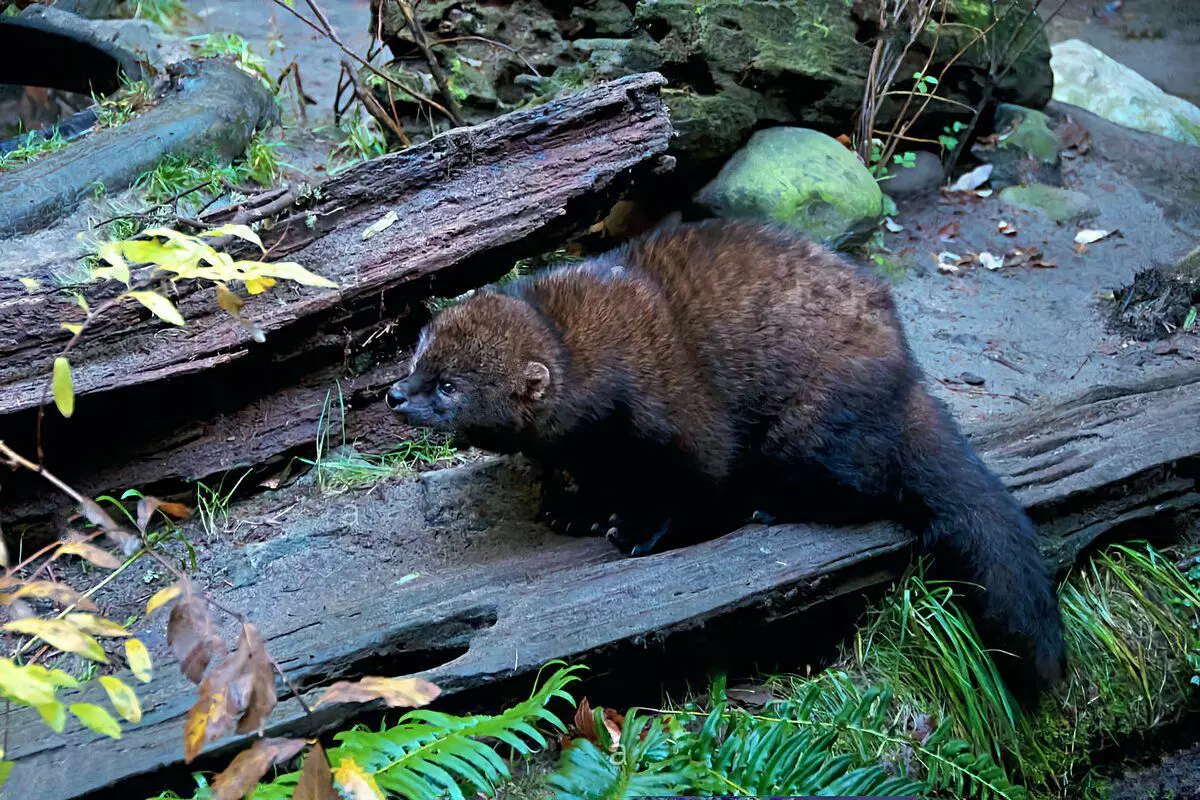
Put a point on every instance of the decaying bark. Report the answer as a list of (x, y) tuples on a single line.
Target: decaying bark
[(466, 205), (1115, 462)]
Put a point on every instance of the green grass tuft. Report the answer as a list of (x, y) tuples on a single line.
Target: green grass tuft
[(34, 146)]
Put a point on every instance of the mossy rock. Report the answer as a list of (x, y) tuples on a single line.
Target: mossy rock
[(1027, 150), (1059, 205), (800, 177)]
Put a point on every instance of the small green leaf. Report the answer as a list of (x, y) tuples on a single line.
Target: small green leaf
[(63, 386), (5, 768), (160, 306), (1190, 320), (123, 699), (97, 719), (55, 715), (73, 327)]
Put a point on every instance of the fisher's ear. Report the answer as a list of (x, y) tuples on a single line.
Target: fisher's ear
[(537, 380)]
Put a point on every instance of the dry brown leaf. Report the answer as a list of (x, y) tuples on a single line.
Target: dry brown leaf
[(90, 553), (395, 692), (316, 779), (59, 593), (949, 231), (248, 767), (174, 510), (209, 719), (259, 700), (98, 516), (145, 508), (1006, 228), (193, 637), (585, 723)]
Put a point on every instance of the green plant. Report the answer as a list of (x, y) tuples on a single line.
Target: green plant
[(235, 48), (34, 146), (124, 104), (167, 14), (948, 138), (209, 177), (212, 504), (360, 140)]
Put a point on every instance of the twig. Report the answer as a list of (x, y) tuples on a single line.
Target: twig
[(981, 392), (372, 105), (331, 34), (492, 42), (168, 203), (439, 77)]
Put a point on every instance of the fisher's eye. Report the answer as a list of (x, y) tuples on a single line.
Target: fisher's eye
[(446, 388)]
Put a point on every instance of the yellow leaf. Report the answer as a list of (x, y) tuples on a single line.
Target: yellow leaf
[(240, 231), (54, 715), (123, 699), (97, 719), (354, 783), (61, 634), (73, 327), (162, 597), (31, 684), (118, 269), (60, 593), (382, 224), (30, 284), (259, 285), (63, 386), (5, 768), (147, 251), (284, 271), (90, 553), (97, 626), (139, 659), (229, 301), (160, 306)]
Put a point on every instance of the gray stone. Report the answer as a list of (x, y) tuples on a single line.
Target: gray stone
[(924, 177), (1060, 205), (1026, 150), (1086, 77), (800, 177)]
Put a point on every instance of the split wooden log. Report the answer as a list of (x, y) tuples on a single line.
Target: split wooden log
[(465, 204), (1113, 463)]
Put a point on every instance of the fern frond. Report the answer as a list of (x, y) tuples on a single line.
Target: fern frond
[(430, 755)]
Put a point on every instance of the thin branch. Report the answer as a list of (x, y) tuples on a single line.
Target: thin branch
[(373, 108), (435, 68), (331, 34), (492, 42)]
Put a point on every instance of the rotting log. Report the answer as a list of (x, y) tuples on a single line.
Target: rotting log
[(1113, 463), (467, 203)]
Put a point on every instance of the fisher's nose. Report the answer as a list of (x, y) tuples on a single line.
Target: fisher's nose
[(397, 398)]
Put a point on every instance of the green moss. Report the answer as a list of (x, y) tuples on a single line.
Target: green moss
[(1030, 132)]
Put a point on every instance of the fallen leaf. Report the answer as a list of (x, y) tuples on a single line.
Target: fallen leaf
[(990, 261), (892, 225), (846, 141), (1006, 229), (750, 696), (600, 726), (354, 783), (30, 284), (59, 593), (249, 766), (63, 387), (1088, 236), (61, 634), (123, 699), (983, 192), (145, 508), (97, 719), (1190, 320), (1041, 263), (174, 510), (90, 553), (139, 660), (395, 692), (193, 637), (948, 231), (380, 225), (971, 180), (316, 779), (950, 262), (97, 626), (162, 597)]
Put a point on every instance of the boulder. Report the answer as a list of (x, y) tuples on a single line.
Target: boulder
[(922, 178), (1086, 77), (733, 66), (1060, 205), (1025, 149), (800, 177)]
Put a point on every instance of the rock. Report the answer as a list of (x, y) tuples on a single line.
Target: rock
[(1189, 266), (924, 177), (800, 177), (1026, 150), (1060, 205), (1086, 77), (971, 379), (733, 65)]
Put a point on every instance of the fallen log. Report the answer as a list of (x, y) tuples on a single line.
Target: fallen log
[(1112, 463), (466, 204)]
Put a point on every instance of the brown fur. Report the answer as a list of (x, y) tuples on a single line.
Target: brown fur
[(707, 370)]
